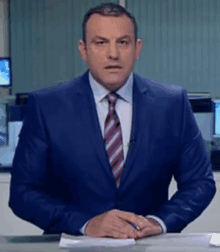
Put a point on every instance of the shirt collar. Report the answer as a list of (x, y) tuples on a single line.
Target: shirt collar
[(100, 92)]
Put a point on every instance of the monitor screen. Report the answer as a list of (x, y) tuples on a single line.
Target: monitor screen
[(5, 72), (217, 118)]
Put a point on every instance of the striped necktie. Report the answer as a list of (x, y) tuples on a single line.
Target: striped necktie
[(113, 138)]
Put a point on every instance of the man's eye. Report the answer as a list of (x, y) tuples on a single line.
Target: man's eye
[(99, 42), (123, 42)]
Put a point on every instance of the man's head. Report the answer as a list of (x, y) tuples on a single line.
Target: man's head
[(110, 46)]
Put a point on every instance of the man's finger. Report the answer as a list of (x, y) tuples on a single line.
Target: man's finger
[(131, 218), (125, 227), (149, 231), (115, 234), (113, 222)]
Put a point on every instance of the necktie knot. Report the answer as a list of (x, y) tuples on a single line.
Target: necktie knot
[(112, 98)]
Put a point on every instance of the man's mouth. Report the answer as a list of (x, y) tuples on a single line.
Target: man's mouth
[(113, 67)]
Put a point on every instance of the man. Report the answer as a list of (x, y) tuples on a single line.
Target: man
[(96, 154)]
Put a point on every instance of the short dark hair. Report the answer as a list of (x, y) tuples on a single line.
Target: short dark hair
[(108, 9)]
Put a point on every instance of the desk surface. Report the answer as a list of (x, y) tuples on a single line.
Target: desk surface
[(164, 243)]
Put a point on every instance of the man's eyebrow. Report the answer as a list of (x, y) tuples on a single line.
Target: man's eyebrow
[(123, 37), (99, 37)]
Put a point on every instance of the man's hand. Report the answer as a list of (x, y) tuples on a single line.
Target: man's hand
[(149, 227), (117, 224)]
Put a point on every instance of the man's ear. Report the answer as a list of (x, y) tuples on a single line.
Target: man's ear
[(82, 49), (139, 47)]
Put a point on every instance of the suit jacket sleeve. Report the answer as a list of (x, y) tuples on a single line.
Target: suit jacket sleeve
[(28, 200), (196, 186)]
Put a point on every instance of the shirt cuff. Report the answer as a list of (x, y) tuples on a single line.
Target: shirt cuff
[(164, 228), (82, 230)]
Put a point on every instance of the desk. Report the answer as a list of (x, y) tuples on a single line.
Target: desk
[(163, 243)]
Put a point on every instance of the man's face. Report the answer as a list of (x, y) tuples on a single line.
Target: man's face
[(110, 51)]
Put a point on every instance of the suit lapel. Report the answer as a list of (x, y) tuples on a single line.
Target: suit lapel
[(141, 123), (90, 122)]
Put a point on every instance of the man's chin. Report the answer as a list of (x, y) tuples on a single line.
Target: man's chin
[(114, 82), (113, 85)]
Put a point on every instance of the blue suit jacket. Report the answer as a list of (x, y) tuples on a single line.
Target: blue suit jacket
[(61, 175)]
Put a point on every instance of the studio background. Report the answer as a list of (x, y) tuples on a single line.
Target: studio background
[(182, 42)]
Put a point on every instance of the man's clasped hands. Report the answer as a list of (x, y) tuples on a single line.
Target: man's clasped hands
[(118, 224)]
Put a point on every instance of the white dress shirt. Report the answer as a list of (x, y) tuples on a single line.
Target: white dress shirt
[(124, 111)]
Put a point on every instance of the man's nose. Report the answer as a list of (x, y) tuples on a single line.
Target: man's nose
[(113, 51)]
